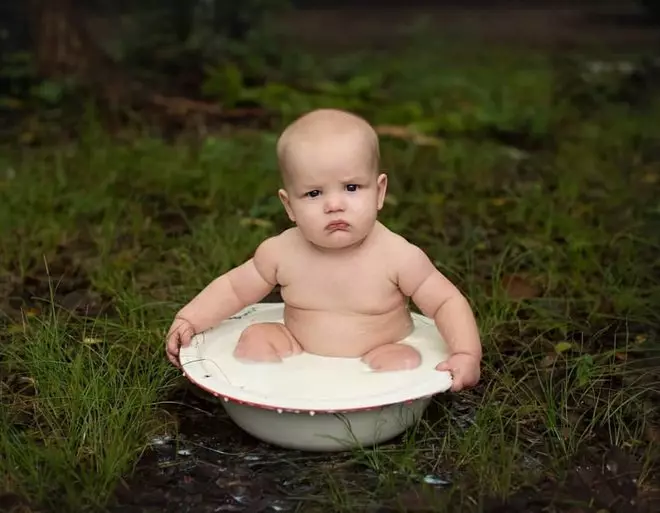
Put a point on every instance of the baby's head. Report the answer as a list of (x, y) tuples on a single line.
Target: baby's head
[(329, 160)]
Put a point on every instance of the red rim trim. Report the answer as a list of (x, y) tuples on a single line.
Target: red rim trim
[(309, 411)]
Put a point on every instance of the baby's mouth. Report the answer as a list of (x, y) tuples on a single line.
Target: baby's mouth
[(337, 225)]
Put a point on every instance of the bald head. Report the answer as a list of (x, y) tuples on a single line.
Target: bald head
[(322, 133)]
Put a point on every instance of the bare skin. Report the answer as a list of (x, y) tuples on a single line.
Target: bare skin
[(345, 278), (266, 342), (342, 306)]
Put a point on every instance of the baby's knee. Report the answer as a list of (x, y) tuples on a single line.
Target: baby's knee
[(391, 357), (410, 358), (262, 328)]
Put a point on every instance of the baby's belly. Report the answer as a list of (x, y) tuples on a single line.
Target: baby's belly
[(347, 335)]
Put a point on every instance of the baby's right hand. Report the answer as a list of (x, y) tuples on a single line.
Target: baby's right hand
[(180, 334)]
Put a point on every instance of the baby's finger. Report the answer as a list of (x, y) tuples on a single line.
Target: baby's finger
[(457, 380), (472, 380), (185, 335), (443, 366), (457, 384), (172, 356), (173, 342)]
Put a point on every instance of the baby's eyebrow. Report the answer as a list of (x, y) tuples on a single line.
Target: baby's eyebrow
[(312, 187), (308, 187)]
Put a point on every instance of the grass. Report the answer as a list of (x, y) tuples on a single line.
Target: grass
[(71, 429), (542, 210)]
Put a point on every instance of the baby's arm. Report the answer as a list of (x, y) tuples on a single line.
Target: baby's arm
[(438, 299), (231, 292)]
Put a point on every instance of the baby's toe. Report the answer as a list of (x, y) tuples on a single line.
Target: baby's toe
[(375, 364)]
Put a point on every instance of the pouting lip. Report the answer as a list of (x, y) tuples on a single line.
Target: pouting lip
[(339, 224)]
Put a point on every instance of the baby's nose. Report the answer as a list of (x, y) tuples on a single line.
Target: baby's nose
[(334, 202)]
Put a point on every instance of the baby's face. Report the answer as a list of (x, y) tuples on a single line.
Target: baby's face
[(334, 199)]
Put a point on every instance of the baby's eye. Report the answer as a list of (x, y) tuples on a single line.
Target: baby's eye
[(352, 187), (313, 194)]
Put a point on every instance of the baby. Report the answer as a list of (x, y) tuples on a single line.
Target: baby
[(345, 278)]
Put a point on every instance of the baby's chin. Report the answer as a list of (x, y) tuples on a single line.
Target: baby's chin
[(338, 240)]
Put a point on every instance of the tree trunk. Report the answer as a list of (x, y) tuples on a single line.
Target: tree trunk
[(64, 49)]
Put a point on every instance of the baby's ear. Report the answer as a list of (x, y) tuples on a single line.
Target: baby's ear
[(284, 198), (382, 189)]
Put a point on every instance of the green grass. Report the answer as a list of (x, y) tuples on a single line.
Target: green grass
[(148, 222), (81, 416)]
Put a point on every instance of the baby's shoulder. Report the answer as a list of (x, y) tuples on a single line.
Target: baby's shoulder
[(289, 235), (273, 248), (392, 243), (399, 250)]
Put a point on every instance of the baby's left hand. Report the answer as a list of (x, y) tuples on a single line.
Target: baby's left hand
[(465, 370)]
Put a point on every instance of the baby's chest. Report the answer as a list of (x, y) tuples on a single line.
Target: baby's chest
[(363, 287)]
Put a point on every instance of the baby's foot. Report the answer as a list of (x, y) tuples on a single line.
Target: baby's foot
[(393, 357), (266, 342)]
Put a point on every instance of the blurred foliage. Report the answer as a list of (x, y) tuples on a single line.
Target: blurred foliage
[(229, 53), (155, 40), (168, 28)]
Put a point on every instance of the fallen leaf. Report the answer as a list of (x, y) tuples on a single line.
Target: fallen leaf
[(407, 133), (520, 287), (516, 153), (437, 198), (251, 221), (650, 177), (426, 140), (10, 103), (401, 132), (390, 199), (653, 434), (641, 338), (14, 329), (562, 347), (548, 360), (26, 137)]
